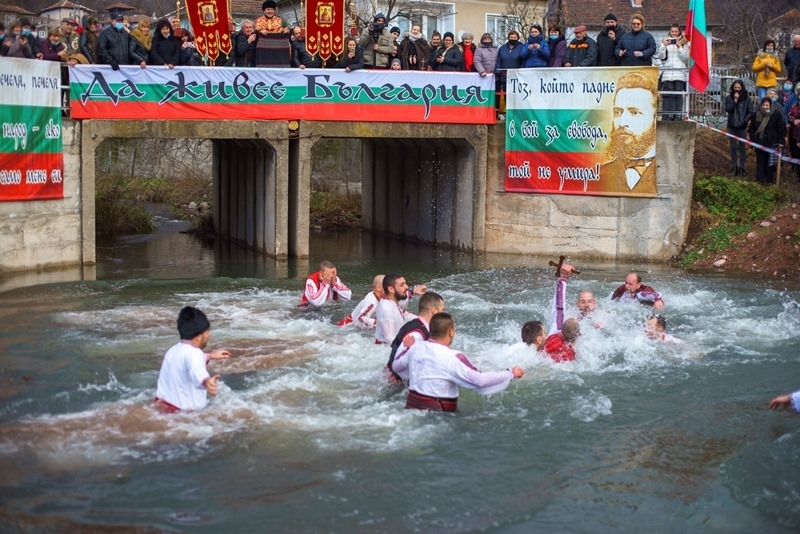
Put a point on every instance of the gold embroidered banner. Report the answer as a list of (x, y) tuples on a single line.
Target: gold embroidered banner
[(325, 28), (209, 21)]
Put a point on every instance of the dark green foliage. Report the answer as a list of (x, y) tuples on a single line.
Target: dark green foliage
[(736, 201)]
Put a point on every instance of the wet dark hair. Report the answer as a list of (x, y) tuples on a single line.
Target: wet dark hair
[(441, 323), (660, 321), (531, 330), (429, 301)]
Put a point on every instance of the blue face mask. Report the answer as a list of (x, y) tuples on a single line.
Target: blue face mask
[(774, 98), (119, 25), (553, 37), (787, 87), (26, 31), (767, 111)]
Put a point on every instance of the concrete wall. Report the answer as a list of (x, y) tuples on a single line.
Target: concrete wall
[(606, 228), (435, 183), (46, 234)]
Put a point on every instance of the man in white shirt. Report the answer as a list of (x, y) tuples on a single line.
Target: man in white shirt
[(391, 315), (184, 381)]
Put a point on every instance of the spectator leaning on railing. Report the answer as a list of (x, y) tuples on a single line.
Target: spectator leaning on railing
[(674, 56)]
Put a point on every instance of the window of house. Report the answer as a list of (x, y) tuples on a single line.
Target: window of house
[(500, 25)]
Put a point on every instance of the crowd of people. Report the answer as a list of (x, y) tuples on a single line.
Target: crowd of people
[(772, 122)]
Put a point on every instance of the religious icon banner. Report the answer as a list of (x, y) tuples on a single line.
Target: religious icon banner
[(582, 131), (209, 21), (210, 93), (31, 148), (325, 21)]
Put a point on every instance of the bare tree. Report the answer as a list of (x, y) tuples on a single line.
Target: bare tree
[(522, 14)]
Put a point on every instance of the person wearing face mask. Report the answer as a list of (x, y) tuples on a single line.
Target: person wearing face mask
[(536, 50), (54, 49), (508, 57), (28, 31), (767, 66), (740, 111), (767, 130), (558, 47), (485, 56), (16, 44), (786, 97), (113, 45)]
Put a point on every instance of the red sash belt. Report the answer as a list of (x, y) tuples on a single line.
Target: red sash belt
[(165, 407), (418, 401)]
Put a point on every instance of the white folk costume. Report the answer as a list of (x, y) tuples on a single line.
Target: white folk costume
[(318, 292), (180, 381), (363, 315), (390, 318), (436, 371)]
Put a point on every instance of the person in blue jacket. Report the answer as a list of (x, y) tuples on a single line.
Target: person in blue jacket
[(535, 51)]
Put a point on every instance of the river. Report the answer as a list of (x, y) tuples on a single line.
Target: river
[(305, 437)]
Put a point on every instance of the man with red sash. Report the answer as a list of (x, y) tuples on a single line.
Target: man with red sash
[(563, 334), (184, 380), (323, 286), (436, 371)]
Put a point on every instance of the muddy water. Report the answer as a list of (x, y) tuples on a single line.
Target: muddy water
[(304, 437)]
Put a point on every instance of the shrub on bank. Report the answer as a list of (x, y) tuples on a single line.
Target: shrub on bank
[(729, 208)]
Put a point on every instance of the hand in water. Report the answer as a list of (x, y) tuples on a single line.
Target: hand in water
[(212, 385)]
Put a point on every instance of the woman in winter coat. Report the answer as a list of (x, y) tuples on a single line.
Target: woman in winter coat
[(485, 56), (447, 58), (558, 47), (768, 130), (166, 48), (140, 43), (674, 56), (535, 51), (88, 43), (508, 57), (767, 66), (740, 110), (353, 59)]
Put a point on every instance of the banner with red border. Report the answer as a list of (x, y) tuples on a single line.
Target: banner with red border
[(207, 93), (31, 147), (586, 131)]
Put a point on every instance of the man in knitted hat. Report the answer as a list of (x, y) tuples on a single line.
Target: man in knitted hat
[(377, 42), (607, 41), (582, 50), (184, 381)]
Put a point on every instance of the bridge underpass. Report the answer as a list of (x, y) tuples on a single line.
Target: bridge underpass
[(419, 182)]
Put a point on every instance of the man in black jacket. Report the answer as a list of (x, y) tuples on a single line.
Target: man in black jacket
[(114, 42), (607, 41)]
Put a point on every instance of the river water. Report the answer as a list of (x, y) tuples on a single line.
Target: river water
[(305, 437)]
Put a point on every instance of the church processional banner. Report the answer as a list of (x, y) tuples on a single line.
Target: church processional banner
[(583, 131), (213, 93), (31, 148), (209, 21), (325, 28)]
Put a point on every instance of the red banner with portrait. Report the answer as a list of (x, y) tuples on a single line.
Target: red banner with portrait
[(325, 28), (209, 21)]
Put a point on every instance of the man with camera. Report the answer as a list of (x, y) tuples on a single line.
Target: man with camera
[(377, 43)]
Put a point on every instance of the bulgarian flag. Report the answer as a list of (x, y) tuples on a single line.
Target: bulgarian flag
[(696, 34)]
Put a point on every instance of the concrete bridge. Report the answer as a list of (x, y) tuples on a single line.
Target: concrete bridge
[(436, 183)]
